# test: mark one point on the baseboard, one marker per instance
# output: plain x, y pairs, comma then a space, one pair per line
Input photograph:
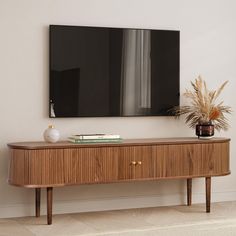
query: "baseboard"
117, 203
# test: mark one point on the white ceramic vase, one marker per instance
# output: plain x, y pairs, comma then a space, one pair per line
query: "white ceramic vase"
51, 134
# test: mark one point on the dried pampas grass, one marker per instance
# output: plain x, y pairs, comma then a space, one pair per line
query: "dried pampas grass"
203, 107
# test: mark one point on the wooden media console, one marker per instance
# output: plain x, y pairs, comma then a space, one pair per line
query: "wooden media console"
45, 165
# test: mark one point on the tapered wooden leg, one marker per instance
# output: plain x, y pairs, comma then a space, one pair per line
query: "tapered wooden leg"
37, 201
49, 205
189, 192
208, 194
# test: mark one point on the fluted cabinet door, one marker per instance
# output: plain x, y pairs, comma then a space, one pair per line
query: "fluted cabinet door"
91, 165
215, 158
126, 163
158, 156
135, 162
46, 166
191, 160
144, 168
182, 160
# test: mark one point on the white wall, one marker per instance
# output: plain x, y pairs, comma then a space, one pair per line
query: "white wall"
208, 47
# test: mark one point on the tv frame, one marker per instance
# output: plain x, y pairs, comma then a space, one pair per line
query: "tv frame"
132, 28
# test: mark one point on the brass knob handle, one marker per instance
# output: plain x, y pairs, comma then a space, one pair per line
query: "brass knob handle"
133, 163
139, 163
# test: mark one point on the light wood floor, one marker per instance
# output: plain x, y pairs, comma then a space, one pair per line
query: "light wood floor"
166, 221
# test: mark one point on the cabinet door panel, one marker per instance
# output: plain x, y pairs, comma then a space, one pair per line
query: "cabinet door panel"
46, 166
192, 159
91, 165
142, 156
145, 164
215, 158
182, 160
158, 153
126, 170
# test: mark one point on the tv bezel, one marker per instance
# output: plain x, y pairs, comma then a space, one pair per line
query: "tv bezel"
171, 114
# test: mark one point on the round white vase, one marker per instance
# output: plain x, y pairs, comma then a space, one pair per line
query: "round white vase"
51, 134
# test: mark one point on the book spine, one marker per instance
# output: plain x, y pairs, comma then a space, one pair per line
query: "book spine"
89, 137
101, 137
94, 140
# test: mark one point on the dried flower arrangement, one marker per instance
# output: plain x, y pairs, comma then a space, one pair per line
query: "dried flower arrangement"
203, 108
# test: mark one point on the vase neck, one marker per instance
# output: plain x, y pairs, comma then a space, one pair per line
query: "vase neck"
205, 123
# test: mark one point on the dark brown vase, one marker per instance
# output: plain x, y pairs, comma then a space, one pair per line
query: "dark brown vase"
205, 130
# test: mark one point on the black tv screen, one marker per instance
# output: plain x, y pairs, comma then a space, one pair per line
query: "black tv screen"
97, 71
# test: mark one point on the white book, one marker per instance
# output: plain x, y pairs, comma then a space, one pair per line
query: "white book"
95, 136
95, 140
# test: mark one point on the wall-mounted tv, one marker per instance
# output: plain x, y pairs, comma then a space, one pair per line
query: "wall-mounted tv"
100, 72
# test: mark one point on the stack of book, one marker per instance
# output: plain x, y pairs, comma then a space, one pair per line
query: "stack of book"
94, 138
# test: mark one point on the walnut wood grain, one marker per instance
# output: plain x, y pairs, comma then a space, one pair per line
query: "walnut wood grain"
189, 192
49, 205
191, 159
135, 162
39, 164
37, 201
208, 194
89, 165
